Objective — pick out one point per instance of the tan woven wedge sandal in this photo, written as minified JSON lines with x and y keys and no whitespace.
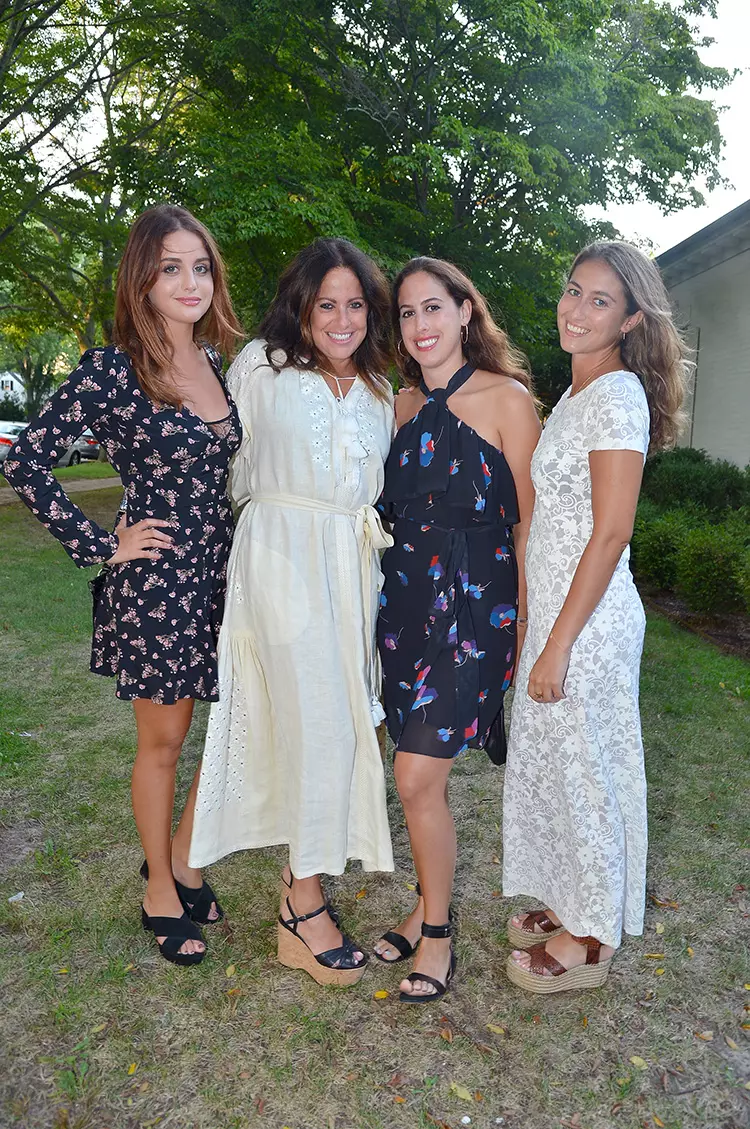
{"x":526,"y":936}
{"x":334,"y":968}
{"x":592,"y":974}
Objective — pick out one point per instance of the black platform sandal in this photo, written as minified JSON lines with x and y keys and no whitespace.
{"x":335,"y":967}
{"x":176,"y":931}
{"x":438,"y":932}
{"x":196,"y":900}
{"x":399,"y":942}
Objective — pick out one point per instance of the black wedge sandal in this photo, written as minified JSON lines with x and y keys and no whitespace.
{"x":196,"y":900}
{"x":335,"y":967}
{"x":176,"y":931}
{"x":399,"y":942}
{"x":438,"y":932}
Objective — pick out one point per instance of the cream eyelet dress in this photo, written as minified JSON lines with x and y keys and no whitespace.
{"x":291,"y":751}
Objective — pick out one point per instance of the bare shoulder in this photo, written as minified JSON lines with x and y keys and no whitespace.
{"x":407,"y":403}
{"x":505,"y":388}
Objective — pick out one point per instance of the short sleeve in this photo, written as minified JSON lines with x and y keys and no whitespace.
{"x":78,"y":403}
{"x":618,"y":417}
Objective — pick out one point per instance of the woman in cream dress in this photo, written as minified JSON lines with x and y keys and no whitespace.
{"x":291,"y":751}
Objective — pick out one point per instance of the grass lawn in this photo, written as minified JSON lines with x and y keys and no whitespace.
{"x":89,"y":469}
{"x":100,"y":1033}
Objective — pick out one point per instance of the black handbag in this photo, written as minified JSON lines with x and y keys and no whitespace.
{"x":496,"y":746}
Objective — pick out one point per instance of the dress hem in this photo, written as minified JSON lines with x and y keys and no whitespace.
{"x":171,"y":700}
{"x":207,"y":858}
{"x":577,"y":930}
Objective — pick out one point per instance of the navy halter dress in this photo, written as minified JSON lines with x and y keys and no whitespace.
{"x":447,"y":621}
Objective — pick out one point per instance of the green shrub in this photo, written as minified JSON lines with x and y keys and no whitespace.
{"x":707,"y":569}
{"x":742,"y":576}
{"x":656,"y":543}
{"x":687,"y":476}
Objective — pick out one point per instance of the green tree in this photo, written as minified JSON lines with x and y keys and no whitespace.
{"x":478,"y":133}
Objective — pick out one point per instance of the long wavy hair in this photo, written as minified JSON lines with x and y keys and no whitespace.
{"x":487,"y":345}
{"x":286,"y":325}
{"x":654,"y":349}
{"x":139,"y":328}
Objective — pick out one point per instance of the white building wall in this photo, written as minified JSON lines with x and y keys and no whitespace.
{"x":714,"y":306}
{"x":10,"y":385}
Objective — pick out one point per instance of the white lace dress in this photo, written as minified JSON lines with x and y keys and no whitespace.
{"x":291,"y":751}
{"x":574,"y":813}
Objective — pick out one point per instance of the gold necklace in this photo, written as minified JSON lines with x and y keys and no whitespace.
{"x":586,"y":382}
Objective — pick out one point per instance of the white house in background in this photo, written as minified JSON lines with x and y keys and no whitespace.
{"x":10,"y":385}
{"x":708,"y":276}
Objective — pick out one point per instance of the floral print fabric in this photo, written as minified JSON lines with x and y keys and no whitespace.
{"x":574,"y":812}
{"x":157,"y":621}
{"x":447,"y":622}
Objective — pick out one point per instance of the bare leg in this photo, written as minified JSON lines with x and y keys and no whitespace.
{"x":306,"y":895}
{"x":422,"y":785}
{"x":188,"y":875}
{"x":161,"y":732}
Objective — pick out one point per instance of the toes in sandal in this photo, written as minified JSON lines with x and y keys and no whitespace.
{"x":399,"y":942}
{"x":196,"y":900}
{"x":334,"y":968}
{"x":592,"y":974}
{"x":176,"y":931}
{"x":437,"y":931}
{"x":525,"y":935}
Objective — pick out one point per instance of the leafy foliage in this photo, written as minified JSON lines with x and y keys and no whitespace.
{"x":477,"y":133}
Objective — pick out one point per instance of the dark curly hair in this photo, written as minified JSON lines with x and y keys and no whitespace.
{"x":286,"y":325}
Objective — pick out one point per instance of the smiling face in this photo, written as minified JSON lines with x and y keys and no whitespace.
{"x":338,"y":320}
{"x":431,"y":321}
{"x":592,"y":313}
{"x":184,"y":286}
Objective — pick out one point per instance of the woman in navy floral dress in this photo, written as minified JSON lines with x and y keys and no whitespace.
{"x":157,"y":403}
{"x":458,"y":491}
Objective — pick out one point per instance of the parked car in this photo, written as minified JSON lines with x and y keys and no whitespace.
{"x":9,"y":432}
{"x":85,"y":446}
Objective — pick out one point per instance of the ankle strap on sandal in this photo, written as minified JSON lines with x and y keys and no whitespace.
{"x":437,"y":931}
{"x":593,"y":948}
{"x":295,"y":918}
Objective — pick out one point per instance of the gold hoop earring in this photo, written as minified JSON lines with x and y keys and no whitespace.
{"x":464,"y":334}
{"x":399,"y":350}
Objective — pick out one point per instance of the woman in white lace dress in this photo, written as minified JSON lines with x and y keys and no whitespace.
{"x":291,"y":751}
{"x":574,"y":818}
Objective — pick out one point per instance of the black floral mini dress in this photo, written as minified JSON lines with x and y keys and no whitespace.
{"x":156,"y":622}
{"x":447,"y":621}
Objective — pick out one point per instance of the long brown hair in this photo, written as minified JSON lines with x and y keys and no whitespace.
{"x":286,"y":325}
{"x":139,"y":328}
{"x":487,"y":345}
{"x":654,"y":349}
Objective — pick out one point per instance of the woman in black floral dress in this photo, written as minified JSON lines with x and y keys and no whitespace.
{"x":458,"y":491}
{"x":157,"y":403}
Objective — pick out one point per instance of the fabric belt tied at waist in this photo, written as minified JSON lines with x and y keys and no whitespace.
{"x":371,"y":537}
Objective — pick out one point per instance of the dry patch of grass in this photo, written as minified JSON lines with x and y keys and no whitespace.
{"x":100,"y":1033}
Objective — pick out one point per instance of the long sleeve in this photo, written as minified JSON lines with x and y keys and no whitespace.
{"x":80,"y":402}
{"x":239,"y":381}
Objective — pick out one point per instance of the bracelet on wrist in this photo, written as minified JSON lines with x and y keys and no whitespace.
{"x":557,"y":642}
{"x":522,"y":620}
